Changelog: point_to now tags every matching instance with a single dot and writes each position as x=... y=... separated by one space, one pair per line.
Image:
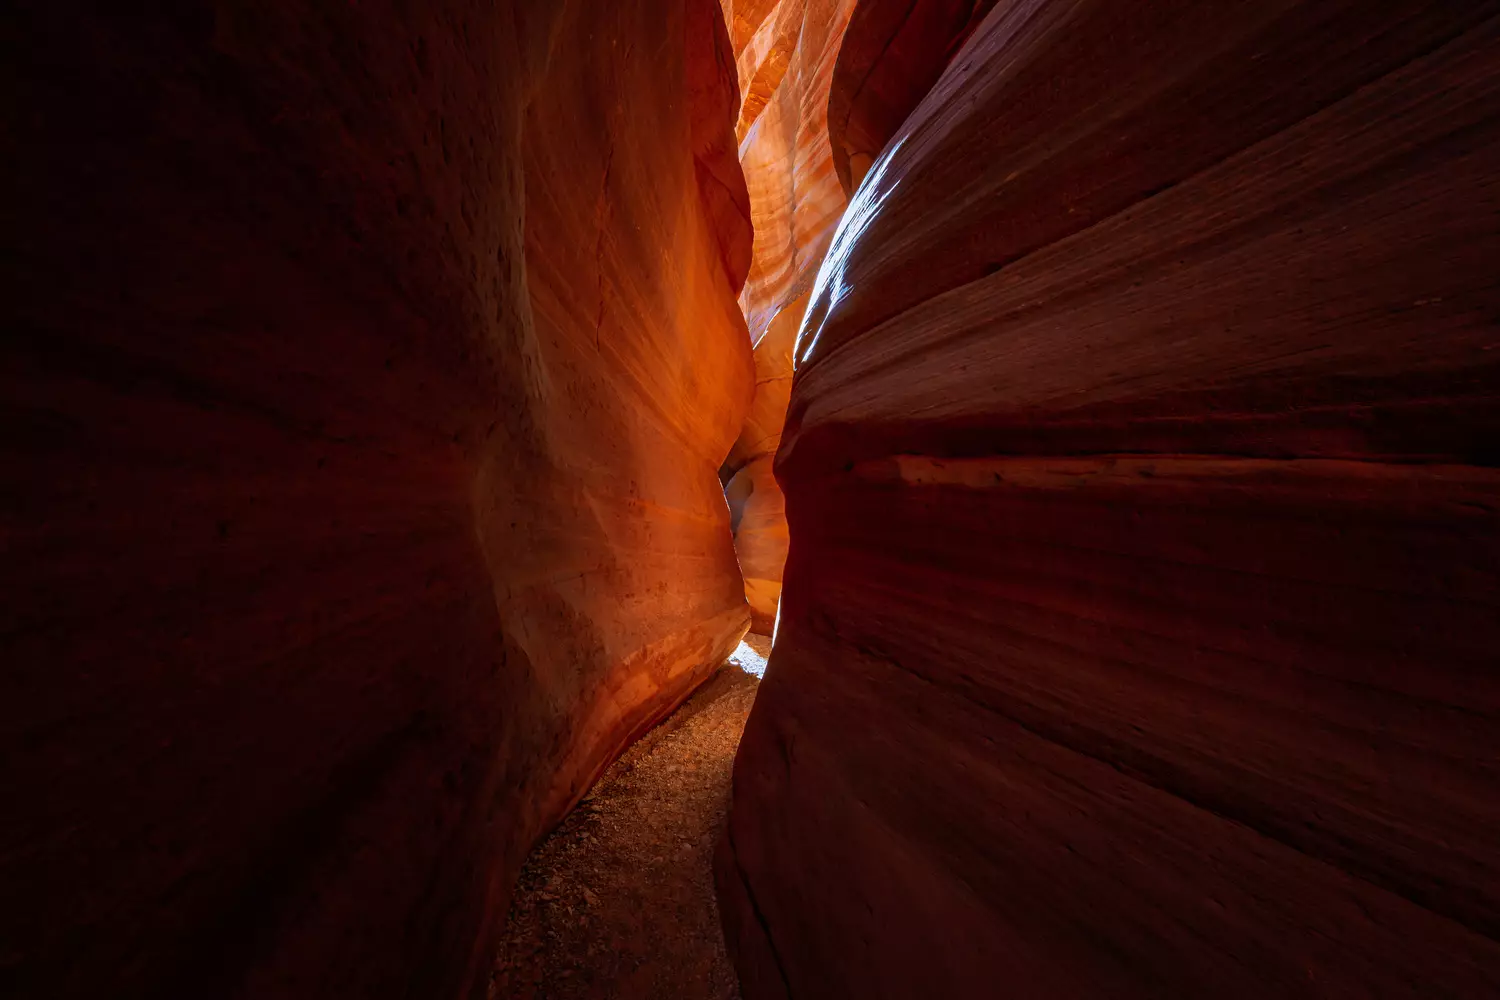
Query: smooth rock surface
x=785 y=72
x=368 y=370
x=758 y=516
x=757 y=508
x=786 y=53
x=815 y=96
x=1139 y=627
x=893 y=52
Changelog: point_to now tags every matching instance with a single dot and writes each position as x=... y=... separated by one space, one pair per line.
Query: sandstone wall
x=892 y=54
x=368 y=369
x=786 y=53
x=757 y=508
x=1138 y=634
x=822 y=82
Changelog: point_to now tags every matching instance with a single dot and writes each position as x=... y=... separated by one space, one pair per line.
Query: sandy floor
x=619 y=901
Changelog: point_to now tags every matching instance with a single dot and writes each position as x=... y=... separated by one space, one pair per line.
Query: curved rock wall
x=366 y=380
x=1138 y=635
x=757 y=508
x=786 y=53
x=785 y=71
x=822 y=82
x=892 y=54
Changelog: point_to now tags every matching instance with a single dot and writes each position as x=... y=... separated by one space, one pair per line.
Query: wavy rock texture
x=785 y=71
x=366 y=381
x=757 y=508
x=786 y=53
x=1139 y=632
x=742 y=18
x=892 y=54
x=815 y=96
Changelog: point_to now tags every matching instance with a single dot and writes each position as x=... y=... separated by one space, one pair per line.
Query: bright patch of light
x=748 y=660
x=830 y=288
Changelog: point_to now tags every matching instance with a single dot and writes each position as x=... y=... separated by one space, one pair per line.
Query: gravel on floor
x=619 y=901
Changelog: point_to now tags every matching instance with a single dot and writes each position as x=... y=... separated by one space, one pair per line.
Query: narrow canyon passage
x=619 y=900
x=409 y=407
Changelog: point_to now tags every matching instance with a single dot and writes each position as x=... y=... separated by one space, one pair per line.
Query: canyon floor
x=619 y=901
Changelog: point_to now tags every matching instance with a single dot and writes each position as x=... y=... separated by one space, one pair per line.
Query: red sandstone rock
x=758 y=512
x=892 y=54
x=1139 y=635
x=367 y=372
x=786 y=54
x=812 y=99
x=785 y=72
x=758 y=516
x=743 y=18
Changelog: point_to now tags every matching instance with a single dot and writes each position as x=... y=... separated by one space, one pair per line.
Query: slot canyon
x=417 y=413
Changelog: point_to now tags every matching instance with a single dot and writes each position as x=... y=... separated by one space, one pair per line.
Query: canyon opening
x=420 y=417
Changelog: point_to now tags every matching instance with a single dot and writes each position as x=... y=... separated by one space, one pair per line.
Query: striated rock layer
x=368 y=369
x=757 y=508
x=892 y=54
x=785 y=71
x=1140 y=630
x=816 y=97
x=786 y=52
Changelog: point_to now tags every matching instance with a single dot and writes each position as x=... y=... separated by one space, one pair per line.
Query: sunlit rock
x=786 y=53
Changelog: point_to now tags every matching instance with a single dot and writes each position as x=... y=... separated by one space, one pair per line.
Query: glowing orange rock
x=786 y=53
x=813 y=97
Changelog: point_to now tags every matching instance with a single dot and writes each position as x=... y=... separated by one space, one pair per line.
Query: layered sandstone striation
x=786 y=52
x=785 y=71
x=892 y=54
x=824 y=83
x=368 y=372
x=1138 y=636
x=757 y=508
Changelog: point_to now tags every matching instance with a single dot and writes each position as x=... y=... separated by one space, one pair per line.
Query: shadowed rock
x=1139 y=626
x=369 y=367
